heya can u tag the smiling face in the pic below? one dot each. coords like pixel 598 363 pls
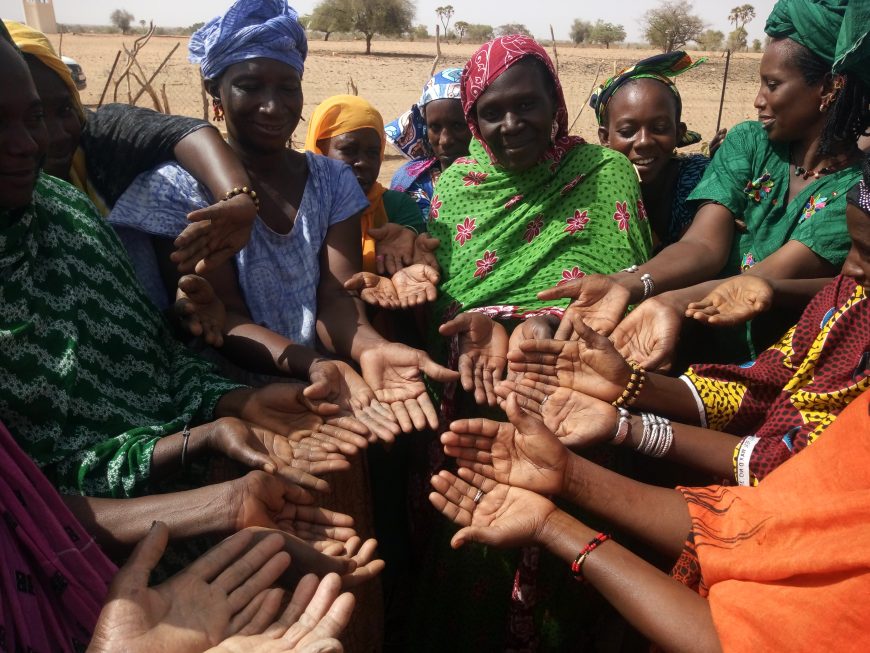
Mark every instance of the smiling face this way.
pixel 857 264
pixel 61 120
pixel 262 101
pixel 360 149
pixel 788 107
pixel 515 115
pixel 447 131
pixel 641 123
pixel 23 138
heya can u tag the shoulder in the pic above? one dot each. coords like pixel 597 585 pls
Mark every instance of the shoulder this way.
pixel 600 157
pixel 398 198
pixel 67 204
pixel 692 166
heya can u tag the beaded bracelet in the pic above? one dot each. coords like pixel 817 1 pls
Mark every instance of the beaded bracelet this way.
pixel 244 190
pixel 594 543
pixel 623 427
pixel 185 438
pixel 633 387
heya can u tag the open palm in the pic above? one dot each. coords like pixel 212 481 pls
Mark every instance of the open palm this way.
pixel 649 334
pixel 483 346
pixel 598 300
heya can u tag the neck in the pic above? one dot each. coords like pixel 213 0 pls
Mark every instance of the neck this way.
pixel 260 164
pixel 806 153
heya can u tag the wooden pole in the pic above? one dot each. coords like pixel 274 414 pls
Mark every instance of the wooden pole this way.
pixel 724 84
pixel 108 79
pixel 555 51
pixel 156 72
pixel 437 50
pixel 583 106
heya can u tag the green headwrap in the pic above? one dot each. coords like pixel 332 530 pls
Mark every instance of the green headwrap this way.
pixel 815 24
pixel 853 45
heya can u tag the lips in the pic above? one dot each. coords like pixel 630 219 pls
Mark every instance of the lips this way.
pixel 273 130
pixel 766 121
pixel 642 163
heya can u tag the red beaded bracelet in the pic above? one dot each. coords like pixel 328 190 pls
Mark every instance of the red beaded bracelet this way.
pixel 594 543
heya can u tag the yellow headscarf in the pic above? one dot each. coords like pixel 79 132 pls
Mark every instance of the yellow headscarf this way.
pixel 338 115
pixel 35 43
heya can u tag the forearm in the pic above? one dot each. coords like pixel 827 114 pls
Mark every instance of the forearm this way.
pixel 627 503
pixel 668 397
pixel 206 156
pixel 166 455
pixel 661 608
pixel 343 327
pixel 118 524
pixel 796 293
pixel 259 349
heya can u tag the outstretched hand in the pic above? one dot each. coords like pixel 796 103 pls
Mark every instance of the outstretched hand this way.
pixel 424 250
pixel 215 234
pixel 200 310
pixel 374 289
pixel 394 247
pixel 416 285
pixel 649 334
pixel 598 300
pixel 483 347
pixel 734 301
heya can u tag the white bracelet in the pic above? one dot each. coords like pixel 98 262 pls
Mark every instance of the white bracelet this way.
pixel 658 436
pixel 649 286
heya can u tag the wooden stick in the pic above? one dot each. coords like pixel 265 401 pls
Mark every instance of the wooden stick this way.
pixel 583 106
pixel 108 79
pixel 555 51
pixel 165 99
pixel 156 72
pixel 437 50
pixel 724 83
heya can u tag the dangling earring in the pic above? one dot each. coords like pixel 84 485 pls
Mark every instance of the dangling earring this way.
pixel 554 130
pixel 218 109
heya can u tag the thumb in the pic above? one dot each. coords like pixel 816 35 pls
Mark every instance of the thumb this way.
pixel 435 371
pixel 319 388
pixel 431 274
pixel 379 232
pixel 524 421
pixel 471 534
pixel 362 280
pixel 197 288
pixel 429 243
pixel 137 571
pixel 454 326
pixel 252 454
pixel 558 292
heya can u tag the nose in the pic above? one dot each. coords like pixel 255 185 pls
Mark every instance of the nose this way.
pixel 760 101
pixel 852 268
pixel 447 139
pixel 21 143
pixel 644 138
pixel 512 123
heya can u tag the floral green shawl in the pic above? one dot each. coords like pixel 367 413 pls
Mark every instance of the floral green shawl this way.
pixel 92 378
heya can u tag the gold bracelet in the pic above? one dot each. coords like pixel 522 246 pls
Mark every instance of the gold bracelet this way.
pixel 633 387
pixel 244 190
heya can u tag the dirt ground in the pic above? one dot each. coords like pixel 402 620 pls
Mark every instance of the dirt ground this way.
pixel 391 78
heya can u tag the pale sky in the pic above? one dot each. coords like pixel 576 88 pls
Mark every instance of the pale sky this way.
pixel 537 15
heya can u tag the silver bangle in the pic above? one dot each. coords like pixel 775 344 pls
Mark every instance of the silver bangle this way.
pixel 185 438
pixel 649 285
pixel 658 436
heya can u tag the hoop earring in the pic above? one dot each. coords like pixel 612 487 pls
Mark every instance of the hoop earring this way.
pixel 218 109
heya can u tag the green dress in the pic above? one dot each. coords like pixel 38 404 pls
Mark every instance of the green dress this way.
pixel 750 176
pixel 92 377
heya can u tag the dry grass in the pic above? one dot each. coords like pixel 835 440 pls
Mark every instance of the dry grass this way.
pixel 392 77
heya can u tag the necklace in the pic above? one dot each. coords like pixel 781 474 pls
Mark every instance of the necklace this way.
pixel 800 171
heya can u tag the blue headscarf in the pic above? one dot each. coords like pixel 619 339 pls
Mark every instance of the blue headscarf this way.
pixel 249 29
pixel 408 131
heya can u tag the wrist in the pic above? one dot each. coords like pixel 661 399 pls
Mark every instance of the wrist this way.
pixel 632 283
pixel 233 403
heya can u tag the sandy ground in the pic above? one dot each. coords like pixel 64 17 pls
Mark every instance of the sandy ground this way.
pixel 392 76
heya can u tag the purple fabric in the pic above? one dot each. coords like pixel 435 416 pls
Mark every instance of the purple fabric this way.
pixel 53 577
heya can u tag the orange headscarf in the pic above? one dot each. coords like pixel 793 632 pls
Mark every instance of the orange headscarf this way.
pixel 338 115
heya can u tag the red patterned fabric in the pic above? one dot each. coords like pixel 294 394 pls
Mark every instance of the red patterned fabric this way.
pixel 488 63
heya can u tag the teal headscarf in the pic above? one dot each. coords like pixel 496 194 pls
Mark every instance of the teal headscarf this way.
pixel 853 45
pixel 815 24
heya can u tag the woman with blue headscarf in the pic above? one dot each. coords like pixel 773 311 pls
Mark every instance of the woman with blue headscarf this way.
pixel 433 133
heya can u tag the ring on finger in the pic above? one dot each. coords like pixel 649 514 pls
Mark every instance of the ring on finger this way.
pixel 478 496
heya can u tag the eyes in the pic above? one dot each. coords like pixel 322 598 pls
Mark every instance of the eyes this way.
pixel 495 114
pixel 662 128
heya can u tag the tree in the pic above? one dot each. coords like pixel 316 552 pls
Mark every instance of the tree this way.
pixel 756 45
pixel 580 30
pixel 606 33
pixel 331 16
pixel 121 19
pixel 420 32
pixel 737 40
pixel 478 33
pixel 710 40
pixel 741 15
pixel 512 28
pixel 461 28
pixel 671 25
pixel 445 13
pixel 387 17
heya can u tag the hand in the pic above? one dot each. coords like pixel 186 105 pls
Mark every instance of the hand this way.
pixel 522 453
pixel 483 347
pixel 260 448
pixel 395 373
pixel 394 247
pixel 541 327
pixel 217 232
pixel 194 609
pixel 599 301
pixel 338 382
pixel 716 141
pixel 505 517
pixel 578 420
pixel 415 285
pixel 590 365
pixel 734 301
pixel 200 310
pixel 374 289
pixel 649 334
pixel 316 615
pixel 424 251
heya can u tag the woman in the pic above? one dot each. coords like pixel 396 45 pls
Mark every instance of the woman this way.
pixel 761 554
pixel 433 133
pixel 643 122
pixel 101 152
pixel 347 128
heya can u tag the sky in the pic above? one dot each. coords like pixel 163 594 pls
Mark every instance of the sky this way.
pixel 537 16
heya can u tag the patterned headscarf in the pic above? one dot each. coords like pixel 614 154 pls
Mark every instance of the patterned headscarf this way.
pixel 488 63
pixel 407 133
pixel 815 24
pixel 248 30
pixel 660 67
pixel 853 44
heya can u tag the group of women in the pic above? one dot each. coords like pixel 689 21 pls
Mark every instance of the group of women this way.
pixel 480 308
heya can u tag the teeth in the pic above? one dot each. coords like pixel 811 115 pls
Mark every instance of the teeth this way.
pixel 643 162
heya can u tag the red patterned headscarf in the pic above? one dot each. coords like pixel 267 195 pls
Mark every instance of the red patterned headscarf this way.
pixel 488 63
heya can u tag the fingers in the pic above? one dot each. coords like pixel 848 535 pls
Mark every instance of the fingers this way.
pixel 302 595
pixel 435 371
pixel 448 500
pixel 326 615
pixel 566 290
pixel 259 614
pixel 362 280
pixel 137 571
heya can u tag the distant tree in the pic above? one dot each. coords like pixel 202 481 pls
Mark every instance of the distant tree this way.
pixel 756 45
pixel 606 33
pixel 461 28
pixel 710 39
pixel 121 19
pixel 142 24
pixel 737 40
pixel 741 16
pixel 194 27
pixel 445 13
pixel 387 17
pixel 580 30
pixel 420 32
pixel 331 16
pixel 478 33
pixel 512 28
pixel 671 25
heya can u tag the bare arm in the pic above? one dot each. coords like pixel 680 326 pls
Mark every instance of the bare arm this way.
pixel 208 158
